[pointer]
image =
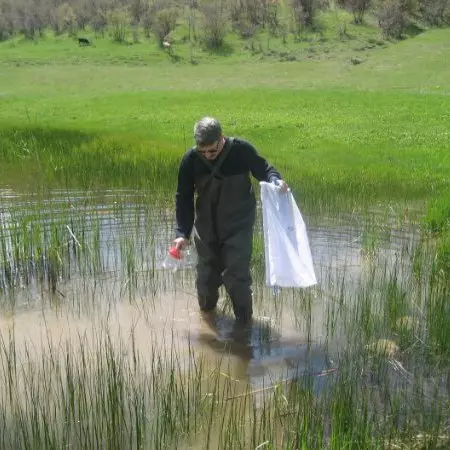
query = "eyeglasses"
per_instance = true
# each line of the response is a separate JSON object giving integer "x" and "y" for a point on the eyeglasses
{"x": 209, "y": 151}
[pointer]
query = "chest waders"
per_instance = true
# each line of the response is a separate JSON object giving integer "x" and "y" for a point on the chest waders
{"x": 223, "y": 236}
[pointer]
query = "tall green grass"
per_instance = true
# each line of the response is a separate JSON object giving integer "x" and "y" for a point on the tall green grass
{"x": 344, "y": 148}
{"x": 340, "y": 134}
{"x": 385, "y": 330}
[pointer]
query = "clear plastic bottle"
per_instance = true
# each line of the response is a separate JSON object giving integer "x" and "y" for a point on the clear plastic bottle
{"x": 173, "y": 260}
{"x": 177, "y": 259}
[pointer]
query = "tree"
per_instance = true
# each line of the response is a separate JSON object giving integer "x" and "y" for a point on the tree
{"x": 214, "y": 23}
{"x": 29, "y": 18}
{"x": 119, "y": 24}
{"x": 6, "y": 21}
{"x": 392, "y": 18}
{"x": 191, "y": 19}
{"x": 249, "y": 15}
{"x": 66, "y": 19}
{"x": 434, "y": 11}
{"x": 358, "y": 8}
{"x": 303, "y": 12}
{"x": 99, "y": 17}
{"x": 83, "y": 12}
{"x": 164, "y": 23}
{"x": 273, "y": 23}
{"x": 137, "y": 10}
{"x": 146, "y": 22}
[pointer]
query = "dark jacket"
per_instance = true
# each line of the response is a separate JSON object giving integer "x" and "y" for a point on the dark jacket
{"x": 242, "y": 159}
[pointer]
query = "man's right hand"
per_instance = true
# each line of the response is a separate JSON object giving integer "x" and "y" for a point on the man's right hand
{"x": 180, "y": 243}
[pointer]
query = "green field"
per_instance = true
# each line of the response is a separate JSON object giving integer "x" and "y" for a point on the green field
{"x": 377, "y": 129}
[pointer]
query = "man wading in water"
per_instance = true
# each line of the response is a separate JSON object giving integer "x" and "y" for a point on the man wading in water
{"x": 217, "y": 169}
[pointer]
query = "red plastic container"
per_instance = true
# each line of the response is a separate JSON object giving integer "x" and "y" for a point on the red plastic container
{"x": 175, "y": 253}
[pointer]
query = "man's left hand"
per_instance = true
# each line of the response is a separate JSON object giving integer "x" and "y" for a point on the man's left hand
{"x": 283, "y": 186}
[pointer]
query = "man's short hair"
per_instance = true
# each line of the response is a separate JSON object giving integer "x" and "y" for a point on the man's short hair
{"x": 207, "y": 131}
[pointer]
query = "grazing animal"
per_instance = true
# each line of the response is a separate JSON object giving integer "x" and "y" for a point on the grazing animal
{"x": 84, "y": 41}
{"x": 167, "y": 47}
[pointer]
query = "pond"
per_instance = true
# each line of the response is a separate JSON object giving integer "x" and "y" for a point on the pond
{"x": 83, "y": 287}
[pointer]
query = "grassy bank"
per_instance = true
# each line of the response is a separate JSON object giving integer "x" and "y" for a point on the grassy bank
{"x": 330, "y": 145}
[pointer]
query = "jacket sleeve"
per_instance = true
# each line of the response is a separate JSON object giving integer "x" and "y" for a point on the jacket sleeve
{"x": 259, "y": 167}
{"x": 184, "y": 198}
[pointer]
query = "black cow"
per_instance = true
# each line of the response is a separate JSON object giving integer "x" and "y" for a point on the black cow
{"x": 84, "y": 41}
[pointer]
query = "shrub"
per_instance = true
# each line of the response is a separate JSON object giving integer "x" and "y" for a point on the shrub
{"x": 247, "y": 11}
{"x": 119, "y": 23}
{"x": 99, "y": 23}
{"x": 303, "y": 12}
{"x": 83, "y": 13}
{"x": 357, "y": 7}
{"x": 65, "y": 20}
{"x": 137, "y": 10}
{"x": 323, "y": 5}
{"x": 391, "y": 18}
{"x": 6, "y": 21}
{"x": 146, "y": 22}
{"x": 29, "y": 19}
{"x": 434, "y": 11}
{"x": 5, "y": 28}
{"x": 214, "y": 23}
{"x": 165, "y": 21}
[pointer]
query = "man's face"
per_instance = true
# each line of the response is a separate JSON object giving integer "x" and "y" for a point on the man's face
{"x": 211, "y": 151}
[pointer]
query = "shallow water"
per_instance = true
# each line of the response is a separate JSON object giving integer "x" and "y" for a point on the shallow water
{"x": 109, "y": 285}
{"x": 288, "y": 337}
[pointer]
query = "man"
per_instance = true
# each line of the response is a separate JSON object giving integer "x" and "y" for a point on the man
{"x": 217, "y": 169}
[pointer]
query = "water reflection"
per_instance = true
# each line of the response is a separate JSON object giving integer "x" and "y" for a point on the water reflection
{"x": 106, "y": 250}
{"x": 109, "y": 246}
{"x": 263, "y": 357}
{"x": 118, "y": 231}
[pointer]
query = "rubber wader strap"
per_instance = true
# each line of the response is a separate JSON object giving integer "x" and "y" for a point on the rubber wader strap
{"x": 214, "y": 170}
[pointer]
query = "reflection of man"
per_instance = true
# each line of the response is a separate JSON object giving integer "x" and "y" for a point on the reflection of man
{"x": 227, "y": 336}
{"x": 251, "y": 361}
{"x": 228, "y": 347}
{"x": 217, "y": 170}
{"x": 251, "y": 357}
